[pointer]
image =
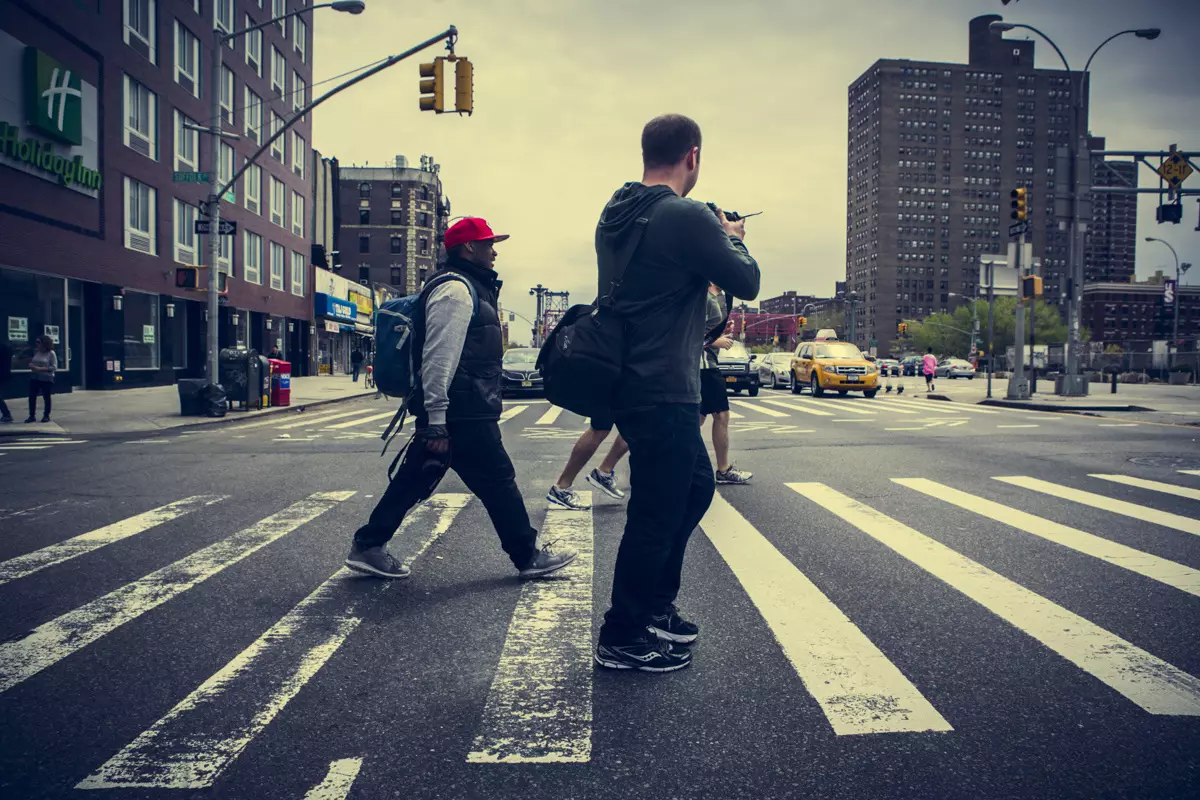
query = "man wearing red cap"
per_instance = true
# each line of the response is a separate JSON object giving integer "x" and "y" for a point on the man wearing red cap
{"x": 457, "y": 407}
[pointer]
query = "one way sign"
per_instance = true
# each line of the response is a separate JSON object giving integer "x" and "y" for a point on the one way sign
{"x": 225, "y": 227}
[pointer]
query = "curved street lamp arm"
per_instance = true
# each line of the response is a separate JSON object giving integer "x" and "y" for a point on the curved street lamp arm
{"x": 1169, "y": 247}
{"x": 1049, "y": 40}
{"x": 1106, "y": 41}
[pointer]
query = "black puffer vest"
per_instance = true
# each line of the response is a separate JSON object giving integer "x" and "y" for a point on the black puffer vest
{"x": 475, "y": 388}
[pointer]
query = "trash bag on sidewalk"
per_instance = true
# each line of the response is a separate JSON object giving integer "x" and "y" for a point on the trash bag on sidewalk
{"x": 214, "y": 400}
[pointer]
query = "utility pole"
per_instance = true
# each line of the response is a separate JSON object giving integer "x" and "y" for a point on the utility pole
{"x": 1018, "y": 386}
{"x": 540, "y": 292}
{"x": 212, "y": 206}
{"x": 991, "y": 296}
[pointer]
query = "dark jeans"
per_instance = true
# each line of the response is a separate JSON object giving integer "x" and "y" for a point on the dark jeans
{"x": 671, "y": 485}
{"x": 357, "y": 367}
{"x": 44, "y": 388}
{"x": 4, "y": 412}
{"x": 479, "y": 458}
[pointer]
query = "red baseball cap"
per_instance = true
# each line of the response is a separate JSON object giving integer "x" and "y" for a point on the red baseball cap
{"x": 471, "y": 229}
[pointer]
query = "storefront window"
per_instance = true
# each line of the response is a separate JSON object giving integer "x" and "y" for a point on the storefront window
{"x": 242, "y": 329}
{"x": 141, "y": 330}
{"x": 178, "y": 329}
{"x": 30, "y": 306}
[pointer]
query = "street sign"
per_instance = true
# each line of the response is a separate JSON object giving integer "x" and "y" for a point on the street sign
{"x": 190, "y": 177}
{"x": 1175, "y": 170}
{"x": 224, "y": 228}
{"x": 1169, "y": 292}
{"x": 1018, "y": 229}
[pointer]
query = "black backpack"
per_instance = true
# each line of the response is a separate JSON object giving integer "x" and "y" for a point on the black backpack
{"x": 581, "y": 359}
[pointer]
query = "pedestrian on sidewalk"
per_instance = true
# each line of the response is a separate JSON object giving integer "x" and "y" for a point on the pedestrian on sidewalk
{"x": 356, "y": 362}
{"x": 683, "y": 247}
{"x": 714, "y": 397}
{"x": 457, "y": 407}
{"x": 5, "y": 375}
{"x": 275, "y": 353}
{"x": 929, "y": 367}
{"x": 603, "y": 478}
{"x": 43, "y": 365}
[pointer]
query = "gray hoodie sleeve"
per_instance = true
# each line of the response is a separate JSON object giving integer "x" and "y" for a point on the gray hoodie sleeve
{"x": 447, "y": 315}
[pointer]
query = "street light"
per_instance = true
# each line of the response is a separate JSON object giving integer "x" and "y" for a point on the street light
{"x": 1178, "y": 278}
{"x": 1073, "y": 383}
{"x": 213, "y": 204}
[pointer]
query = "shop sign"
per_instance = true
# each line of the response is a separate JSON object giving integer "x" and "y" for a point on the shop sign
{"x": 332, "y": 327}
{"x": 52, "y": 332}
{"x": 334, "y": 308}
{"x": 365, "y": 306}
{"x": 147, "y": 334}
{"x": 18, "y": 329}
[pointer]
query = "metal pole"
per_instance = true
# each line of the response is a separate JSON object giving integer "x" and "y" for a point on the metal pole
{"x": 1017, "y": 387}
{"x": 991, "y": 294}
{"x": 213, "y": 207}
{"x": 1175, "y": 324}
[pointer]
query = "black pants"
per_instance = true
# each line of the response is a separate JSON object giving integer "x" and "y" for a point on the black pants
{"x": 357, "y": 367}
{"x": 45, "y": 389}
{"x": 4, "y": 412}
{"x": 671, "y": 485}
{"x": 479, "y": 458}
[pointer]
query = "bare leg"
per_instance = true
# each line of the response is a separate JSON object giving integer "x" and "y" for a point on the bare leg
{"x": 581, "y": 454}
{"x": 615, "y": 453}
{"x": 720, "y": 438}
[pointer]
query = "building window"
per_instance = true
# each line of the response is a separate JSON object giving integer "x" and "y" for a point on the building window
{"x": 278, "y": 9}
{"x": 187, "y": 145}
{"x": 397, "y": 190}
{"x": 364, "y": 272}
{"x": 424, "y": 246}
{"x": 423, "y": 219}
{"x": 254, "y": 47}
{"x": 140, "y": 220}
{"x": 364, "y": 216}
{"x": 364, "y": 190}
{"x": 299, "y": 92}
{"x": 252, "y": 254}
{"x": 225, "y": 168}
{"x": 397, "y": 276}
{"x": 253, "y": 115}
{"x": 187, "y": 59}
{"x": 185, "y": 236}
{"x": 278, "y": 73}
{"x": 141, "y": 330}
{"x": 140, "y": 31}
{"x": 397, "y": 217}
{"x": 397, "y": 244}
{"x": 277, "y": 144}
{"x": 299, "y": 154}
{"x": 253, "y": 177}
{"x": 298, "y": 267}
{"x": 141, "y": 119}
{"x": 424, "y": 192}
{"x": 277, "y": 267}
{"x": 300, "y": 38}
{"x": 227, "y": 95}
{"x": 278, "y": 201}
{"x": 364, "y": 244}
{"x": 297, "y": 213}
{"x": 223, "y": 16}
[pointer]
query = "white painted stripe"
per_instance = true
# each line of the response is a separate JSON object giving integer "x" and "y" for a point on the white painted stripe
{"x": 550, "y": 417}
{"x": 1190, "y": 471}
{"x": 275, "y": 418}
{"x": 1117, "y": 425}
{"x": 311, "y": 422}
{"x": 735, "y": 415}
{"x": 857, "y": 687}
{"x": 845, "y": 406}
{"x": 1154, "y": 486}
{"x": 362, "y": 421}
{"x": 1172, "y": 574}
{"x": 800, "y": 407}
{"x": 511, "y": 412}
{"x": 53, "y": 641}
{"x": 44, "y": 440}
{"x": 1147, "y": 681}
{"x": 191, "y": 746}
{"x": 935, "y": 407}
{"x": 338, "y": 781}
{"x": 770, "y": 412}
{"x": 24, "y": 447}
{"x": 30, "y": 563}
{"x": 1143, "y": 513}
{"x": 149, "y": 441}
{"x": 867, "y": 420}
{"x": 525, "y": 402}
{"x": 539, "y": 707}
{"x": 447, "y": 507}
{"x": 1017, "y": 426}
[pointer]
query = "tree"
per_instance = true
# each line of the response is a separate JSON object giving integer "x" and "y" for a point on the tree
{"x": 829, "y": 318}
{"x": 949, "y": 335}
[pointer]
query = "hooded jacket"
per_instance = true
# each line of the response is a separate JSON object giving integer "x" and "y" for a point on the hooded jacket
{"x": 662, "y": 297}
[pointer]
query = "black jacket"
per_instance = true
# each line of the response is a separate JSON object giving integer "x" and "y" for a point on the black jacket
{"x": 662, "y": 296}
{"x": 5, "y": 362}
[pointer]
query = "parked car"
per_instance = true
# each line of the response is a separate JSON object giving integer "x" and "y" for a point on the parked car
{"x": 888, "y": 366}
{"x": 955, "y": 368}
{"x": 775, "y": 370}
{"x": 520, "y": 373}
{"x": 832, "y": 365}
{"x": 739, "y": 369}
{"x": 910, "y": 365}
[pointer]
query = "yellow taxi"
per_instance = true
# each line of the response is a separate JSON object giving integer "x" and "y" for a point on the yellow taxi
{"x": 831, "y": 365}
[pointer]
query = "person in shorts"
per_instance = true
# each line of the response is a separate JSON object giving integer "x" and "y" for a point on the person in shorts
{"x": 714, "y": 397}
{"x": 603, "y": 478}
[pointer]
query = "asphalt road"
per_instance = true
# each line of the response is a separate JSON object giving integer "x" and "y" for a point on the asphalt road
{"x": 879, "y": 618}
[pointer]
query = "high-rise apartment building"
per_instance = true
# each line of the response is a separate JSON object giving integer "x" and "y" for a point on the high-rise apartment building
{"x": 934, "y": 149}
{"x": 1112, "y": 233}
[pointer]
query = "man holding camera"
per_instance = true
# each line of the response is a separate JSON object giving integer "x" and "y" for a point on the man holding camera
{"x": 662, "y": 302}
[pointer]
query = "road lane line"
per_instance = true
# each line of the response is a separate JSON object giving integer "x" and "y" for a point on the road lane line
{"x": 30, "y": 563}
{"x": 24, "y": 447}
{"x": 363, "y": 421}
{"x": 770, "y": 412}
{"x": 550, "y": 417}
{"x": 1154, "y": 486}
{"x": 193, "y": 744}
{"x": 276, "y": 418}
{"x": 539, "y": 706}
{"x": 1144, "y": 679}
{"x": 941, "y": 407}
{"x": 336, "y": 786}
{"x": 1190, "y": 471}
{"x": 844, "y": 405}
{"x": 312, "y": 423}
{"x": 1018, "y": 426}
{"x": 801, "y": 408}
{"x": 1172, "y": 574}
{"x": 511, "y": 412}
{"x": 53, "y": 641}
{"x": 1117, "y": 425}
{"x": 855, "y": 684}
{"x": 735, "y": 415}
{"x": 1143, "y": 513}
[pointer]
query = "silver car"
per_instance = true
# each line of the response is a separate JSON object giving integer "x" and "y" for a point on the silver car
{"x": 955, "y": 368}
{"x": 775, "y": 370}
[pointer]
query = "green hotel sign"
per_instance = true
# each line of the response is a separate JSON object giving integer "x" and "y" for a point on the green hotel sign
{"x": 42, "y": 156}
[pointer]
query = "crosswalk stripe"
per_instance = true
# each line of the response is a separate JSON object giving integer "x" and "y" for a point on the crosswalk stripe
{"x": 1171, "y": 573}
{"x": 839, "y": 406}
{"x": 539, "y": 706}
{"x": 550, "y": 417}
{"x": 309, "y": 417}
{"x": 188, "y": 748}
{"x": 53, "y": 641}
{"x": 362, "y": 421}
{"x": 799, "y": 407}
{"x": 937, "y": 407}
{"x": 1143, "y": 513}
{"x": 735, "y": 415}
{"x": 1190, "y": 471}
{"x": 24, "y": 447}
{"x": 30, "y": 563}
{"x": 338, "y": 781}
{"x": 857, "y": 687}
{"x": 1147, "y": 681}
{"x": 511, "y": 412}
{"x": 312, "y": 422}
{"x": 770, "y": 412}
{"x": 1154, "y": 486}
{"x": 44, "y": 440}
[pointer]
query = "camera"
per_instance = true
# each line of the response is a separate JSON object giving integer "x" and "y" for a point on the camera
{"x": 732, "y": 216}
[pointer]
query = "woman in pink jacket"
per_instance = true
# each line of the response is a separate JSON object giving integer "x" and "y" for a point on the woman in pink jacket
{"x": 929, "y": 367}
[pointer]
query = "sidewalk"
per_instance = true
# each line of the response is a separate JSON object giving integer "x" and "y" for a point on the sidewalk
{"x": 156, "y": 408}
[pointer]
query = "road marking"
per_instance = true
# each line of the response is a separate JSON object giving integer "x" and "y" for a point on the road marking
{"x": 1144, "y": 679}
{"x": 937, "y": 407}
{"x": 149, "y": 441}
{"x": 1154, "y": 486}
{"x": 1117, "y": 425}
{"x": 312, "y": 423}
{"x": 841, "y": 406}
{"x": 539, "y": 707}
{"x": 955, "y": 424}
{"x": 338, "y": 780}
{"x": 927, "y": 425}
{"x": 53, "y": 641}
{"x": 1190, "y": 471}
{"x": 801, "y": 408}
{"x": 1172, "y": 574}
{"x": 550, "y": 416}
{"x": 735, "y": 415}
{"x": 1143, "y": 513}
{"x": 310, "y": 417}
{"x": 56, "y": 505}
{"x": 860, "y": 420}
{"x": 1018, "y": 426}
{"x": 30, "y": 563}
{"x": 857, "y": 687}
{"x": 770, "y": 412}
{"x": 192, "y": 745}
{"x": 24, "y": 447}
{"x": 363, "y": 421}
{"x": 511, "y": 412}
{"x": 43, "y": 440}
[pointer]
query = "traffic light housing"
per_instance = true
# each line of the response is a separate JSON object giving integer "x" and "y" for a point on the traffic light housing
{"x": 902, "y": 328}
{"x": 1020, "y": 204}
{"x": 1031, "y": 286}
{"x": 801, "y": 321}
{"x": 464, "y": 86}
{"x": 433, "y": 85}
{"x": 187, "y": 278}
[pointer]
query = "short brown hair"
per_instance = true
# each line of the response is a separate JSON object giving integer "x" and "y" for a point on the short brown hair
{"x": 667, "y": 139}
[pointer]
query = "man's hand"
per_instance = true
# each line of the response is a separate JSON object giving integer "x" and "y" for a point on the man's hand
{"x": 435, "y": 438}
{"x": 724, "y": 343}
{"x": 737, "y": 229}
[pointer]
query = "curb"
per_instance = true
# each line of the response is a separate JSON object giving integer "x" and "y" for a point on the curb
{"x": 1060, "y": 408}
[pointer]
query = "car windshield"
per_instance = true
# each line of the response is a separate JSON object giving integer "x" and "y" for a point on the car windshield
{"x": 736, "y": 352}
{"x": 838, "y": 350}
{"x": 521, "y": 358}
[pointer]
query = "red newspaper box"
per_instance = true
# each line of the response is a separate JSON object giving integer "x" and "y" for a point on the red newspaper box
{"x": 281, "y": 382}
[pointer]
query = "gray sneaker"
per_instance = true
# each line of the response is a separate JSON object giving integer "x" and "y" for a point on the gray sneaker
{"x": 375, "y": 561}
{"x": 606, "y": 483}
{"x": 547, "y": 561}
{"x": 734, "y": 476}
{"x": 566, "y": 498}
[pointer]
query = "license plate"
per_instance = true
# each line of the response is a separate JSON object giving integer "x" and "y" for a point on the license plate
{"x": 731, "y": 380}
{"x": 851, "y": 379}
{"x": 526, "y": 384}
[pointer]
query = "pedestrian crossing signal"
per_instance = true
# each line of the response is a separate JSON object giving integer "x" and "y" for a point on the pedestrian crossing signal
{"x": 187, "y": 278}
{"x": 1031, "y": 286}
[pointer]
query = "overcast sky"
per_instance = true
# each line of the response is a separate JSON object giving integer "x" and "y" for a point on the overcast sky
{"x": 563, "y": 87}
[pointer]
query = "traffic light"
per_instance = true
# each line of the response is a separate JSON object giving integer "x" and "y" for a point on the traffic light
{"x": 1020, "y": 204}
{"x": 187, "y": 278}
{"x": 902, "y": 328}
{"x": 464, "y": 86}
{"x": 431, "y": 89}
{"x": 1031, "y": 286}
{"x": 801, "y": 321}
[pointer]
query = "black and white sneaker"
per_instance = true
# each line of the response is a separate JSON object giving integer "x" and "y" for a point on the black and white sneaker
{"x": 670, "y": 627}
{"x": 548, "y": 560}
{"x": 607, "y": 483}
{"x": 734, "y": 476}
{"x": 376, "y": 561}
{"x": 566, "y": 498}
{"x": 647, "y": 654}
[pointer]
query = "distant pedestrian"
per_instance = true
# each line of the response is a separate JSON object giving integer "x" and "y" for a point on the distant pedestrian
{"x": 275, "y": 353}
{"x": 929, "y": 367}
{"x": 5, "y": 374}
{"x": 356, "y": 362}
{"x": 43, "y": 365}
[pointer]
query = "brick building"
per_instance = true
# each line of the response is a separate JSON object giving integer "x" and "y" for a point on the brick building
{"x": 93, "y": 222}
{"x": 1112, "y": 234}
{"x": 1118, "y": 313}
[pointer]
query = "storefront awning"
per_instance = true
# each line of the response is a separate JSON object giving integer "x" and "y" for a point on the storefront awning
{"x": 365, "y": 330}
